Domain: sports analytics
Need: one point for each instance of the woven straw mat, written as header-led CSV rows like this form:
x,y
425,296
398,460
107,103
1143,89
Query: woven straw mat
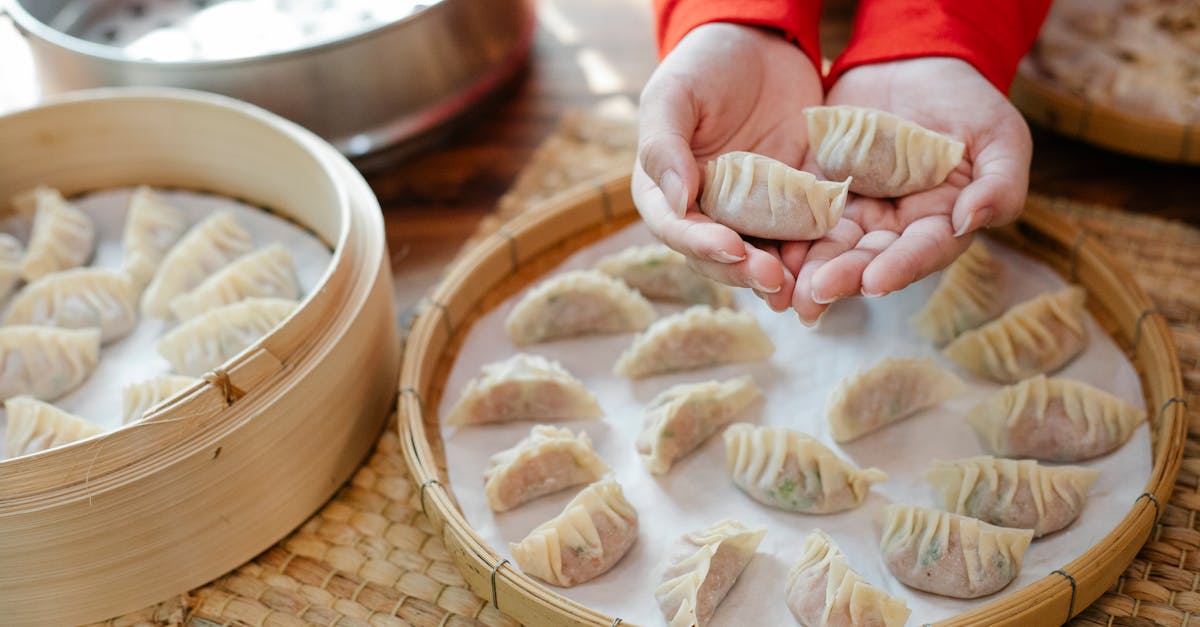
x,y
369,557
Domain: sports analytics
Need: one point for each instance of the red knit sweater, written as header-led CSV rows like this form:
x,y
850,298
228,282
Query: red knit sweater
x,y
991,35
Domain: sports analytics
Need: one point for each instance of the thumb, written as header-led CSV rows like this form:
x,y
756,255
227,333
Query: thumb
x,y
667,122
1000,180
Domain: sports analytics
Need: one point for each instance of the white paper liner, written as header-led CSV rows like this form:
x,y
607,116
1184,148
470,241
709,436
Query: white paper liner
x,y
134,358
854,334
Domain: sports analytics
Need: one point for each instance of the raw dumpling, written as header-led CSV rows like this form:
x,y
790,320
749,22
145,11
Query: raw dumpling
x,y
1037,336
701,570
205,342
206,248
524,387
151,227
700,337
34,426
62,236
137,398
1011,493
547,461
970,292
823,591
580,302
886,155
267,273
761,197
660,273
948,554
11,253
789,470
1052,419
681,418
592,534
46,362
81,298
889,391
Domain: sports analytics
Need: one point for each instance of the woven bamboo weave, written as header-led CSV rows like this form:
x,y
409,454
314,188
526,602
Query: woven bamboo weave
x,y
369,557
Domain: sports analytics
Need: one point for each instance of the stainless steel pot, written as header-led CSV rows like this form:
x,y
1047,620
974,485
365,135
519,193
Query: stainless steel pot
x,y
371,86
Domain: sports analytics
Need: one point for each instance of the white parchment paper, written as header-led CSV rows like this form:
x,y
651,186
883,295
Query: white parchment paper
x,y
133,358
853,334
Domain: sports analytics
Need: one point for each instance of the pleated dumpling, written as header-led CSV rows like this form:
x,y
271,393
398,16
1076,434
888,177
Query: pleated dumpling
x,y
761,197
970,292
45,362
11,253
34,426
884,155
659,273
80,298
592,534
524,387
206,248
699,337
789,470
1052,419
266,273
1011,493
580,302
1038,336
63,237
681,418
138,398
823,591
887,392
951,555
702,569
205,342
548,460
152,226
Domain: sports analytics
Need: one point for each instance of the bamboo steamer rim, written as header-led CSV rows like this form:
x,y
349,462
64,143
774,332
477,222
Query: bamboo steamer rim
x,y
607,205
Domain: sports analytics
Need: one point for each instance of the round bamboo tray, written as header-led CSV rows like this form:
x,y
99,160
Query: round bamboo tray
x,y
533,243
1063,112
116,522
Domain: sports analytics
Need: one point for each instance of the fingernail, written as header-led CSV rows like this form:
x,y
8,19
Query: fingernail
x,y
980,216
672,189
806,322
872,294
759,287
721,255
822,300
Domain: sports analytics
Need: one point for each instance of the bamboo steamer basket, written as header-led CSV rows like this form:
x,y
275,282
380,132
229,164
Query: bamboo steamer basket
x,y
111,524
534,242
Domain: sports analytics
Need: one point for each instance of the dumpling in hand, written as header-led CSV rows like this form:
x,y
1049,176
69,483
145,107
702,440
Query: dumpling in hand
x,y
701,570
970,292
761,197
660,273
681,418
62,238
524,387
45,362
549,460
790,470
889,391
206,248
951,555
884,155
205,342
1010,493
1037,336
34,426
81,298
11,253
151,227
700,337
1056,420
266,273
142,396
580,302
592,534
823,591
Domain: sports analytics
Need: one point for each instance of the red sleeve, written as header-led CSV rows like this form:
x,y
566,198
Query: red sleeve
x,y
796,19
991,35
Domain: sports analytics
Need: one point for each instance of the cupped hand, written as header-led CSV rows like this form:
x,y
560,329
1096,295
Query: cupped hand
x,y
880,246
725,87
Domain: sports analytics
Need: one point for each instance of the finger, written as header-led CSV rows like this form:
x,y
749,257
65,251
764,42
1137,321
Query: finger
x,y
760,271
782,299
666,123
926,246
694,235
793,254
996,194
844,235
842,276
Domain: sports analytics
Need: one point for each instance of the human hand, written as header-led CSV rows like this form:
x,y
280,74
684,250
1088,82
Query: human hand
x,y
882,245
725,87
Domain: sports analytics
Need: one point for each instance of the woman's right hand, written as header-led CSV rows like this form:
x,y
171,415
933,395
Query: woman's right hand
x,y
725,87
